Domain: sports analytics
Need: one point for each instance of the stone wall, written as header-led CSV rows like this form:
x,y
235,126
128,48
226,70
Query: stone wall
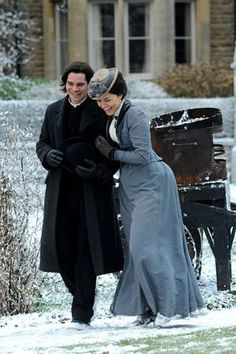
x,y
222,37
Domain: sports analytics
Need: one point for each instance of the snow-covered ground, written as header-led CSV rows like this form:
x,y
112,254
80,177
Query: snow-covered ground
x,y
51,91
44,334
48,332
51,331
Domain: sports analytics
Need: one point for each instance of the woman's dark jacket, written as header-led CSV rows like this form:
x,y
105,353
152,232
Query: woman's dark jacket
x,y
102,228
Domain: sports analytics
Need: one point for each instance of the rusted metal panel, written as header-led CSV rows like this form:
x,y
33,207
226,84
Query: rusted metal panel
x,y
184,139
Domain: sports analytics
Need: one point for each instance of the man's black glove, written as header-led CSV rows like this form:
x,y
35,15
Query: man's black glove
x,y
104,147
54,158
93,171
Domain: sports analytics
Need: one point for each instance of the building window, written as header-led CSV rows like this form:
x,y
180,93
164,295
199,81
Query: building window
x,y
61,17
129,44
138,37
184,32
102,31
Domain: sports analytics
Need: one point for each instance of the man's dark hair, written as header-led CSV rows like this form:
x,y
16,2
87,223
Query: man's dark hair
x,y
79,67
120,86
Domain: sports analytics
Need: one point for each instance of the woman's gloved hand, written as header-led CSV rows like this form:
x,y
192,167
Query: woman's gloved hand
x,y
104,147
54,158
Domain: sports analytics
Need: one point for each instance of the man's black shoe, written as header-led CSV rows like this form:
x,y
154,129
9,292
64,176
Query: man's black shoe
x,y
79,325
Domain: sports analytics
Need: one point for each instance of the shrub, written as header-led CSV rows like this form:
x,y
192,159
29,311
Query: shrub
x,y
10,87
203,80
18,243
16,272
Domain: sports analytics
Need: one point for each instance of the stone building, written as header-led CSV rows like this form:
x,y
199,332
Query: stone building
x,y
142,37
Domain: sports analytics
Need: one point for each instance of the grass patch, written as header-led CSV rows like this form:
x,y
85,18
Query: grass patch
x,y
212,341
217,341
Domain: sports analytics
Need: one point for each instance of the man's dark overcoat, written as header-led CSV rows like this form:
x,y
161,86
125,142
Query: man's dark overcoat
x,y
103,234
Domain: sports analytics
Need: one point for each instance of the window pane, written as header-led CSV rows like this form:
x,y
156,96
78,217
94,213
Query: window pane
x,y
138,50
62,37
182,51
103,35
182,20
108,54
137,16
182,32
138,37
107,20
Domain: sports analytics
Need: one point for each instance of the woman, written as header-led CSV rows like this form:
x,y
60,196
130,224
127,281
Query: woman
x,y
158,280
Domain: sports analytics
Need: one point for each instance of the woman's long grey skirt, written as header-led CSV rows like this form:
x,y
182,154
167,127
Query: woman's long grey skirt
x,y
158,273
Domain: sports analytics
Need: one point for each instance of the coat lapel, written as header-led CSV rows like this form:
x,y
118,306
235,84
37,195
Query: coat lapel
x,y
59,121
120,120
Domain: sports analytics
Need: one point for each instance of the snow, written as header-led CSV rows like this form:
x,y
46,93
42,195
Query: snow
x,y
25,333
50,331
42,332
233,193
184,119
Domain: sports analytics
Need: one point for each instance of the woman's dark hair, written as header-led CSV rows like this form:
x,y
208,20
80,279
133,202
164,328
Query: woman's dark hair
x,y
120,86
79,67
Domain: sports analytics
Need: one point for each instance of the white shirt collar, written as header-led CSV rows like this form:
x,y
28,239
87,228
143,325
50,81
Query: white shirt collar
x,y
116,114
76,104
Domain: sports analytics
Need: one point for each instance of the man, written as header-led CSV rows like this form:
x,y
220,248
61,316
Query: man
x,y
80,237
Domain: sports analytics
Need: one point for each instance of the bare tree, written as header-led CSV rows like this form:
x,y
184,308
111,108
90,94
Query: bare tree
x,y
15,38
